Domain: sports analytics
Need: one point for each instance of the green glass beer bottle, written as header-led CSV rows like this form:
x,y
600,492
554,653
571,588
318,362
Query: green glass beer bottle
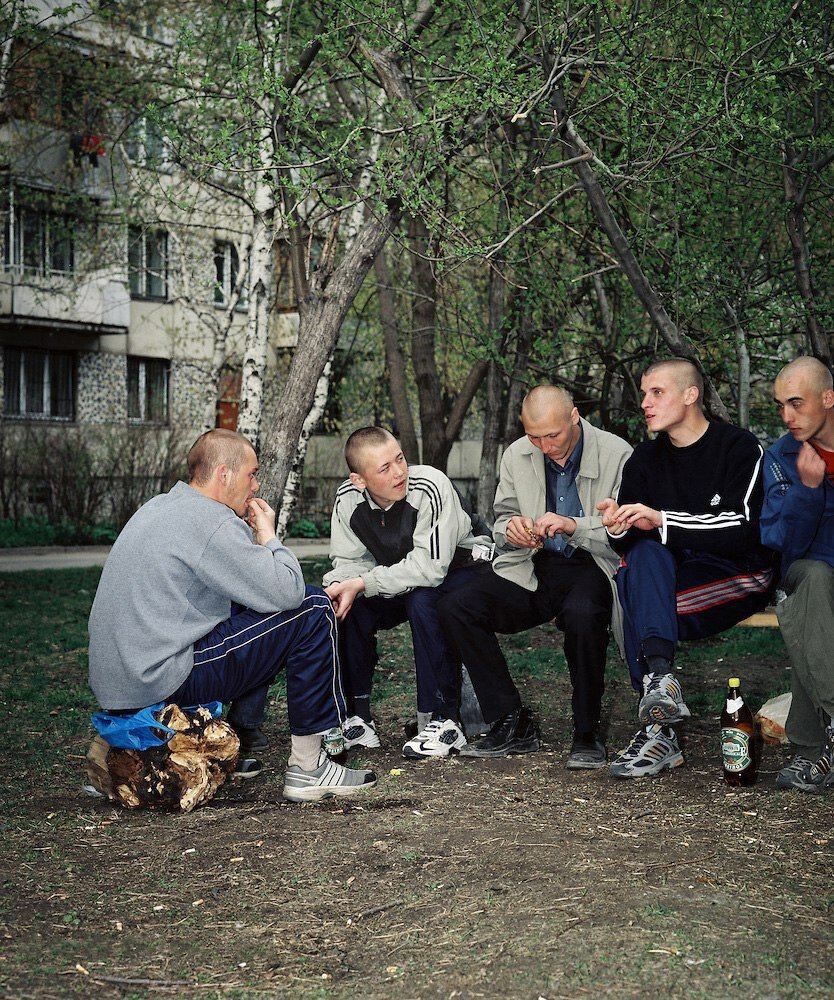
x,y
739,747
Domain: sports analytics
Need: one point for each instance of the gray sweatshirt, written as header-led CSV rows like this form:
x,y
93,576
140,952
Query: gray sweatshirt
x,y
171,577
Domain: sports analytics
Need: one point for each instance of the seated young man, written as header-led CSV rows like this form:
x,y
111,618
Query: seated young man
x,y
199,601
398,536
555,564
686,523
798,521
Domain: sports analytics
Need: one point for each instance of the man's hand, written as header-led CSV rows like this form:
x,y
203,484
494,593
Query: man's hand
x,y
810,466
608,508
554,524
522,531
261,519
342,595
629,515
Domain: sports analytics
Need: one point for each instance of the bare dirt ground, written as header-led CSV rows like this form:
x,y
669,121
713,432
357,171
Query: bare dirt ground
x,y
509,878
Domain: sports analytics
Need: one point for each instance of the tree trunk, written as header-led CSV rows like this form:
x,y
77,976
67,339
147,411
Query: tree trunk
x,y
290,495
679,345
423,318
394,361
743,361
320,318
518,379
795,194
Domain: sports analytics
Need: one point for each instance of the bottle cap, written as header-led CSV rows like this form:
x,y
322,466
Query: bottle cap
x,y
734,682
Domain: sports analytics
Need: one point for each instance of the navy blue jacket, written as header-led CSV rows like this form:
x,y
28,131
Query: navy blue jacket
x,y
796,520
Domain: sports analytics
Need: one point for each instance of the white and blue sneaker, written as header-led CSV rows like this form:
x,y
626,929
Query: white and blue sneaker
x,y
440,738
359,733
651,751
662,703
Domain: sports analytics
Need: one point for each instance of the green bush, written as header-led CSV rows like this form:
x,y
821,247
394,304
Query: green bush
x,y
33,531
303,528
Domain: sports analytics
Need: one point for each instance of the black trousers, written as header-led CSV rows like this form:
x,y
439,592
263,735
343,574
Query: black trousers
x,y
574,592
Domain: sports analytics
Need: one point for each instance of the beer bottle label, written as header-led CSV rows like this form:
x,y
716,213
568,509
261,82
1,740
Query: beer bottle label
x,y
735,748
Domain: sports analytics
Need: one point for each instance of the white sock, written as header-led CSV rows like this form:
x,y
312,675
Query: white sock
x,y
304,752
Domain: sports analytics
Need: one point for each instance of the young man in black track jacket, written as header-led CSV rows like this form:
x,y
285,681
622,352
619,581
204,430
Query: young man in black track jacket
x,y
686,523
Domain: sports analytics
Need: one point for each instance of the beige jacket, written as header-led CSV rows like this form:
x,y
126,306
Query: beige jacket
x,y
522,491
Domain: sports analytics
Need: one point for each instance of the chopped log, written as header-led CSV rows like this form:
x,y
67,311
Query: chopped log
x,y
181,774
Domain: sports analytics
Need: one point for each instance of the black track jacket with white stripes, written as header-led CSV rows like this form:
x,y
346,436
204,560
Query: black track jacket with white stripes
x,y
412,544
710,493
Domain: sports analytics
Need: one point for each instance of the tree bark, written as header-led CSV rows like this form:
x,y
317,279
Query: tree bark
x,y
394,361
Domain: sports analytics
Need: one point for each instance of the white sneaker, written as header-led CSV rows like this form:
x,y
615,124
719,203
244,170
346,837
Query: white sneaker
x,y
651,751
327,780
359,733
439,739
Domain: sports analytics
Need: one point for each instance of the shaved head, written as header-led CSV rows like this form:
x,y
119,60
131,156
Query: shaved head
x,y
546,401
684,372
215,448
814,373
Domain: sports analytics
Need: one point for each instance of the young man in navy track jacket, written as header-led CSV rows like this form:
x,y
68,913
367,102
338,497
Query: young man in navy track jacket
x,y
686,523
798,521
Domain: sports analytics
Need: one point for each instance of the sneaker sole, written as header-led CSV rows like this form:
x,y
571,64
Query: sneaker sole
x,y
647,772
657,715
319,792
353,744
411,754
529,745
254,768
585,765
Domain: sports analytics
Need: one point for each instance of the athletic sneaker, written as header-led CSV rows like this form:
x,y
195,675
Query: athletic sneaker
x,y
440,738
816,776
651,750
789,779
662,702
359,733
327,780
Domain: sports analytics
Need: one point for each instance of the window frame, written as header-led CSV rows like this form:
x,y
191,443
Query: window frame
x,y
226,271
143,287
142,395
50,387
34,236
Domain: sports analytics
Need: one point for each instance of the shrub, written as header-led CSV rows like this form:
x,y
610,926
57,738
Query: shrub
x,y
303,528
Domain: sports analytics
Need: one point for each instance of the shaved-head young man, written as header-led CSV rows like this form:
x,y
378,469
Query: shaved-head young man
x,y
686,524
400,538
798,521
199,601
554,563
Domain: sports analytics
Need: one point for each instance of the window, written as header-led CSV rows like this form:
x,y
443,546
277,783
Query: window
x,y
38,240
147,390
226,272
145,144
39,384
146,261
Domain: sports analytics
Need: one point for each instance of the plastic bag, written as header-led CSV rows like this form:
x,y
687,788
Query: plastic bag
x,y
772,717
141,730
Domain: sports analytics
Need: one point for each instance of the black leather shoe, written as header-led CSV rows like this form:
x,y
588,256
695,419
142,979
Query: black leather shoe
x,y
513,733
587,753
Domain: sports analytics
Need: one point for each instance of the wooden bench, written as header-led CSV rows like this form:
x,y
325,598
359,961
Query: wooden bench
x,y
761,619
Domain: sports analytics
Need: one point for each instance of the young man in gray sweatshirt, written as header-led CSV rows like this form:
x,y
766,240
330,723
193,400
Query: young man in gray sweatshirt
x,y
199,601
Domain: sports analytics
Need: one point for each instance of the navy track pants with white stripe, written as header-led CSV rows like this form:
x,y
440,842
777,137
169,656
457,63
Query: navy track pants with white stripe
x,y
238,660
668,596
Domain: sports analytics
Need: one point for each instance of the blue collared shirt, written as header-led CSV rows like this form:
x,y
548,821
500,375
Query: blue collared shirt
x,y
563,496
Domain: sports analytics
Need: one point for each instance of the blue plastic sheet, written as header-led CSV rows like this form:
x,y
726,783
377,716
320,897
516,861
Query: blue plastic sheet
x,y
141,730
